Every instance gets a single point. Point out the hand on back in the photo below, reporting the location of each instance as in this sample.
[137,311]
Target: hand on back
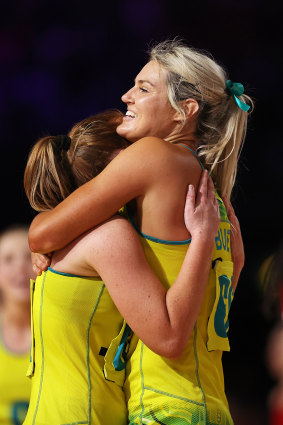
[201,209]
[40,262]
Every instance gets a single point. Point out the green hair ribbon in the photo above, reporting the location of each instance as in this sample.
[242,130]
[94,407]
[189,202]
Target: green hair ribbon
[237,89]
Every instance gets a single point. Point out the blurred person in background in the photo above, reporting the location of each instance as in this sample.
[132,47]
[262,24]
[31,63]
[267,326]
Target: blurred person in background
[271,277]
[275,366]
[15,339]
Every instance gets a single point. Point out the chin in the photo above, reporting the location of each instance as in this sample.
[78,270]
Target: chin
[121,130]
[126,133]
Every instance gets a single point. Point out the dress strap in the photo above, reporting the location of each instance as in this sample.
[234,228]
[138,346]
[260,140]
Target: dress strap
[194,153]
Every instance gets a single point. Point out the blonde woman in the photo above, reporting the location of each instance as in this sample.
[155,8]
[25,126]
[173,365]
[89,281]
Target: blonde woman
[15,274]
[181,102]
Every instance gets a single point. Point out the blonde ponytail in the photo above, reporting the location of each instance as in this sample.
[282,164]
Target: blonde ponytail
[221,124]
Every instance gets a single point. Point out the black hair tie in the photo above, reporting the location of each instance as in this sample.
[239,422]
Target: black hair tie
[62,142]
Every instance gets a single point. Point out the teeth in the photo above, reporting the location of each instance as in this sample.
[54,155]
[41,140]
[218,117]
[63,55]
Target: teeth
[130,114]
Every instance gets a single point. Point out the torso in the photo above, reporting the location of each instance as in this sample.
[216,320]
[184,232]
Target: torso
[190,388]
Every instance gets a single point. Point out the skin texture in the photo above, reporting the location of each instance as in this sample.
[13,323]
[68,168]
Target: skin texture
[113,251]
[15,273]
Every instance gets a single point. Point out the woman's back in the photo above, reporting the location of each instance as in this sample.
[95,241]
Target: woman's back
[74,322]
[161,209]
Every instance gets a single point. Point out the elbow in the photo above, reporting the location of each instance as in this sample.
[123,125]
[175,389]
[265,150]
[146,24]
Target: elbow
[39,240]
[175,351]
[172,348]
[173,354]
[33,241]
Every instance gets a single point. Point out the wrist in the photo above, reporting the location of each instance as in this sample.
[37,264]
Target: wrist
[204,240]
[203,235]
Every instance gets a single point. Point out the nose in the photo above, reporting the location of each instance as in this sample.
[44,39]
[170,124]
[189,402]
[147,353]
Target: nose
[128,97]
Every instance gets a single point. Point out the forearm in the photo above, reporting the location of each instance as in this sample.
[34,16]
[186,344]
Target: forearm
[79,212]
[162,319]
[125,178]
[184,298]
[173,313]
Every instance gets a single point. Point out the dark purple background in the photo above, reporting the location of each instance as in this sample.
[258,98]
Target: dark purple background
[61,61]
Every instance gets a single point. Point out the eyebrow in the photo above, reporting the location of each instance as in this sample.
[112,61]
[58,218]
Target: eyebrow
[144,81]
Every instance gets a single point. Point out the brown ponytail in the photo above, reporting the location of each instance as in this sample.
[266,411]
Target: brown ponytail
[52,173]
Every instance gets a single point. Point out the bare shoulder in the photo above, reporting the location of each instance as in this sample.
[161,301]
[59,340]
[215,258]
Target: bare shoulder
[148,146]
[115,233]
[160,148]
[151,160]
[151,153]
[105,246]
[152,144]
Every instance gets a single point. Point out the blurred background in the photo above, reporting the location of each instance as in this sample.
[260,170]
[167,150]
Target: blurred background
[61,61]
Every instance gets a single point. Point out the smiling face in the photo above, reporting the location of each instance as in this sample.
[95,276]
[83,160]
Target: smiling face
[149,112]
[15,266]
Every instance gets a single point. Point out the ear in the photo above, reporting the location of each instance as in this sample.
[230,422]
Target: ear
[190,107]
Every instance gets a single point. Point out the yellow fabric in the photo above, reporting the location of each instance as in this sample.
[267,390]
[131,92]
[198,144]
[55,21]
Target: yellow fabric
[74,322]
[14,386]
[190,389]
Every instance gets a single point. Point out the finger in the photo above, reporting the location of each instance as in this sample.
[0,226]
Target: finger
[43,261]
[36,270]
[189,205]
[202,190]
[44,265]
[190,199]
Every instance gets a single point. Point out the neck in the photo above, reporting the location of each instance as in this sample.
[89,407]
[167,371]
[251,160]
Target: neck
[185,136]
[182,139]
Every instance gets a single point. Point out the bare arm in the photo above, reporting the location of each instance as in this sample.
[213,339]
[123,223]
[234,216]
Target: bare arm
[163,320]
[237,246]
[128,176]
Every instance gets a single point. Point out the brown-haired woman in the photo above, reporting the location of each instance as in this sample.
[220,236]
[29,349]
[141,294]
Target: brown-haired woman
[80,338]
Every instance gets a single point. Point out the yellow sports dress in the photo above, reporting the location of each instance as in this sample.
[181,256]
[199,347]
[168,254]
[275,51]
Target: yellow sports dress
[190,389]
[76,365]
[14,386]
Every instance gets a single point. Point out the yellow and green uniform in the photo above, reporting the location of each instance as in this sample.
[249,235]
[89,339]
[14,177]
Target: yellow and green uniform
[189,389]
[76,378]
[14,386]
